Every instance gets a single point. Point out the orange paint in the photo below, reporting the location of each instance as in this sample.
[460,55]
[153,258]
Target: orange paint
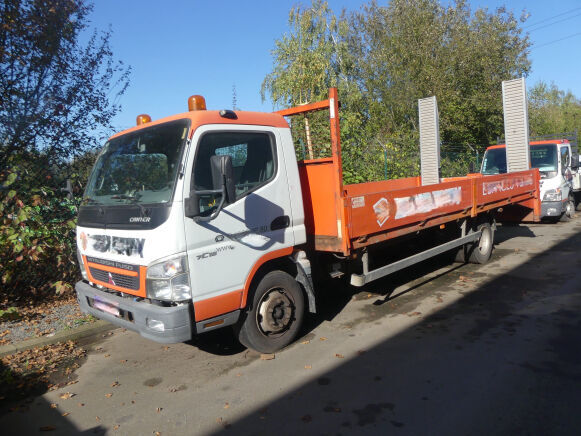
[112,269]
[217,306]
[141,292]
[222,304]
[268,256]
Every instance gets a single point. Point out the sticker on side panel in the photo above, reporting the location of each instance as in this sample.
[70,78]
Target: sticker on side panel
[382,211]
[427,201]
[357,202]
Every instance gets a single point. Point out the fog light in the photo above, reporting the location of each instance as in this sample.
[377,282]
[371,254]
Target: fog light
[551,211]
[156,325]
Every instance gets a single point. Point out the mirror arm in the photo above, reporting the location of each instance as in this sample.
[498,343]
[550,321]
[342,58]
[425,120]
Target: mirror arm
[213,215]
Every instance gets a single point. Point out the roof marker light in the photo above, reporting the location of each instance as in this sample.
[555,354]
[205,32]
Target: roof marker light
[143,119]
[196,103]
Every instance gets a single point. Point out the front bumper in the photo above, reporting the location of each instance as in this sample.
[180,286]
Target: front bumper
[137,315]
[552,208]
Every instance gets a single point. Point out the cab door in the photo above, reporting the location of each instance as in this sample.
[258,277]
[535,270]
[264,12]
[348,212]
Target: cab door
[223,251]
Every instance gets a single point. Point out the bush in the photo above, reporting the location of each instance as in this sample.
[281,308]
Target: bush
[37,233]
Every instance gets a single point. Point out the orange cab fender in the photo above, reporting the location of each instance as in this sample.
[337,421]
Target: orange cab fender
[303,273]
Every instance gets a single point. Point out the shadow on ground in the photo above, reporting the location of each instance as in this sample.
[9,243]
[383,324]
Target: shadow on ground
[504,359]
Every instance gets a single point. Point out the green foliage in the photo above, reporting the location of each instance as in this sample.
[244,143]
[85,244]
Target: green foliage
[37,229]
[9,314]
[57,98]
[552,110]
[383,59]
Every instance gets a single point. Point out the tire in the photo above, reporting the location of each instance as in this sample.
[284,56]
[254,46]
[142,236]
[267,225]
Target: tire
[276,315]
[481,251]
[569,211]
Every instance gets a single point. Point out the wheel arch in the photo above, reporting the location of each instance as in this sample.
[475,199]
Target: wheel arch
[295,264]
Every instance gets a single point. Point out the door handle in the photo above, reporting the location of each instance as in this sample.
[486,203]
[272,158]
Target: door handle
[280,222]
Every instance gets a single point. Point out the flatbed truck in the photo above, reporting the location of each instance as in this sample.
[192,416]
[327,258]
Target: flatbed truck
[206,219]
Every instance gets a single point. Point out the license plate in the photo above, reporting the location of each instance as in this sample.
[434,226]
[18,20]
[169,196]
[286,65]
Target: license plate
[110,308]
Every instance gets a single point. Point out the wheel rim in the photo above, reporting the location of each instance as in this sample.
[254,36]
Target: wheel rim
[275,312]
[485,241]
[569,208]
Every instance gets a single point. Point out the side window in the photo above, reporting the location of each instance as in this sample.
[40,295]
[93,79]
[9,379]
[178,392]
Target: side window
[252,158]
[565,157]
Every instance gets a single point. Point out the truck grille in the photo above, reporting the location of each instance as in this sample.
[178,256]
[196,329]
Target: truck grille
[118,279]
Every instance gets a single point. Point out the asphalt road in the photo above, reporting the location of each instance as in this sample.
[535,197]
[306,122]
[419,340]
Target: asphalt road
[439,348]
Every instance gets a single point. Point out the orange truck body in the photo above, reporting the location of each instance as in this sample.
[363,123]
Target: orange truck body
[342,218]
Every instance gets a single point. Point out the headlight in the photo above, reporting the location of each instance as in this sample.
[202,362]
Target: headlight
[169,280]
[81,265]
[553,195]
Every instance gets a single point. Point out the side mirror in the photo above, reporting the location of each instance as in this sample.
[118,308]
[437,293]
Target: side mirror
[223,176]
[223,183]
[574,161]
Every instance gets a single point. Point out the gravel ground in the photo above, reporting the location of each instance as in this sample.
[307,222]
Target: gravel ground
[43,320]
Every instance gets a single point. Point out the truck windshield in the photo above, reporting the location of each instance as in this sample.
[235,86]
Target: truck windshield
[494,161]
[138,167]
[543,157]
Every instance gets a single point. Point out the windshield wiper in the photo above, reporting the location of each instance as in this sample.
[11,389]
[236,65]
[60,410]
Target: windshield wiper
[132,198]
[89,200]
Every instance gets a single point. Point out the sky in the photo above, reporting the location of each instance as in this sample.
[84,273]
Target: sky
[178,48]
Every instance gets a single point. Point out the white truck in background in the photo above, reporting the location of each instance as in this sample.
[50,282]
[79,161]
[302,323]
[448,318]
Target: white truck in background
[560,182]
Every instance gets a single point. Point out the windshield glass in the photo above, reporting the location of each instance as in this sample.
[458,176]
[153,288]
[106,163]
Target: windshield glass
[138,167]
[494,161]
[544,157]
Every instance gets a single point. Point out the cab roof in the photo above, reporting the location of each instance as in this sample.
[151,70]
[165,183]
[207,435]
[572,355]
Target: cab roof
[544,141]
[203,117]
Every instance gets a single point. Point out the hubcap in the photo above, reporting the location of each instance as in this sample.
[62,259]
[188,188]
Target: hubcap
[275,312]
[485,240]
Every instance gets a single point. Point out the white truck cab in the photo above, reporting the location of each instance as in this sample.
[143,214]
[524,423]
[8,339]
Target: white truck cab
[165,249]
[553,158]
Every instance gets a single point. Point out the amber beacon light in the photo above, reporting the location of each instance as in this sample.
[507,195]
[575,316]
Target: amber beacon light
[196,103]
[143,119]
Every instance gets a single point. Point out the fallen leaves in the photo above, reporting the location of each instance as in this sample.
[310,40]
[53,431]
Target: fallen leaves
[31,369]
[66,396]
[308,366]
[339,356]
[48,428]
[109,395]
[114,384]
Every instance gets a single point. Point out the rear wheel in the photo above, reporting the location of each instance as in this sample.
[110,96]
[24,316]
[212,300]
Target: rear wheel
[276,315]
[481,250]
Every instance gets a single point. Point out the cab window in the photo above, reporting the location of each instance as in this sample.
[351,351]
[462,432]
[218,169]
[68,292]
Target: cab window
[565,157]
[253,161]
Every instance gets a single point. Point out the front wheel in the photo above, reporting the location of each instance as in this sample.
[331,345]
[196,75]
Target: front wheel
[569,211]
[276,315]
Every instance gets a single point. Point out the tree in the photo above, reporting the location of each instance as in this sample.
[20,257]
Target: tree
[414,49]
[56,94]
[552,110]
[383,59]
